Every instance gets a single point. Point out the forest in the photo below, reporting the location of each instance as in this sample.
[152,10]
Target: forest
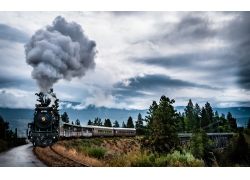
[160,127]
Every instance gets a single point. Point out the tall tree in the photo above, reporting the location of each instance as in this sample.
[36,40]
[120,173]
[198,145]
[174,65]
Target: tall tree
[123,125]
[97,122]
[65,117]
[55,109]
[107,123]
[162,135]
[197,114]
[90,122]
[116,124]
[232,122]
[4,126]
[204,119]
[209,112]
[77,122]
[200,146]
[189,111]
[248,124]
[180,123]
[130,123]
[139,125]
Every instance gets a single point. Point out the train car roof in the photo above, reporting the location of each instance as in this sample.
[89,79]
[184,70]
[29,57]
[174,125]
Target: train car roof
[71,124]
[116,128]
[124,128]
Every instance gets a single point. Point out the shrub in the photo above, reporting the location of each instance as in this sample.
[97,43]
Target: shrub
[183,160]
[96,152]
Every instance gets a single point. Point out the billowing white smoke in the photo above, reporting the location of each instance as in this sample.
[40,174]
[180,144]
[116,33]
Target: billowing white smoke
[60,51]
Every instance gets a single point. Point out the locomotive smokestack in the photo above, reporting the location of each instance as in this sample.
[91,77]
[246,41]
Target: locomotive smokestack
[60,51]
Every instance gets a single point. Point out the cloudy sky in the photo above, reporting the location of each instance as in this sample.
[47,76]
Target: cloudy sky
[128,58]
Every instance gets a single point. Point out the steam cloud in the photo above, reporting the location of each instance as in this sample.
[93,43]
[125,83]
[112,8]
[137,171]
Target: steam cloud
[60,51]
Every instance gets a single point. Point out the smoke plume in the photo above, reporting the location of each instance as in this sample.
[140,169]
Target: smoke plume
[60,51]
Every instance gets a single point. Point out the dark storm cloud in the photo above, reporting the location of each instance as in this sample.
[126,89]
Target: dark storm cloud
[198,28]
[153,82]
[238,31]
[12,34]
[16,82]
[61,51]
[193,27]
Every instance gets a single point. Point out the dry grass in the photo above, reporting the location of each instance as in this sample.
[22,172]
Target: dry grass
[114,149]
[73,154]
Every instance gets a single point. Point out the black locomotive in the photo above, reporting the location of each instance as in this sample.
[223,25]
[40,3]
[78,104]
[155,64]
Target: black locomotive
[44,129]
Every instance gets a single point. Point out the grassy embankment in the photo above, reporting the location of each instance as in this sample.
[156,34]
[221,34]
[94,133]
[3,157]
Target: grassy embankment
[121,152]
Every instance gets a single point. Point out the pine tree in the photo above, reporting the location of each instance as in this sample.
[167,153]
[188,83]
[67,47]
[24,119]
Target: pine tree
[189,111]
[197,113]
[107,123]
[116,124]
[139,125]
[77,122]
[65,117]
[123,125]
[162,135]
[90,122]
[130,123]
[209,112]
[232,122]
[4,126]
[97,122]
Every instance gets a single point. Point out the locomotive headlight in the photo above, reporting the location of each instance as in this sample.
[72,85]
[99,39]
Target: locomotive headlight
[43,119]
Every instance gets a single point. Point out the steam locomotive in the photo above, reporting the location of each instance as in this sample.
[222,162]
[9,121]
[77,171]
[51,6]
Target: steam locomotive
[44,129]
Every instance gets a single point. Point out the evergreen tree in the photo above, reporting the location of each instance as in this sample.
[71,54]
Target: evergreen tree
[139,125]
[197,113]
[204,119]
[209,113]
[116,124]
[97,122]
[189,111]
[224,124]
[232,122]
[90,122]
[180,126]
[149,118]
[162,135]
[130,123]
[4,126]
[77,122]
[55,109]
[107,123]
[248,124]
[123,125]
[65,117]
[72,122]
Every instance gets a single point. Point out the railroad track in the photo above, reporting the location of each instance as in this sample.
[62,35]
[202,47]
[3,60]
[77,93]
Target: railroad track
[54,159]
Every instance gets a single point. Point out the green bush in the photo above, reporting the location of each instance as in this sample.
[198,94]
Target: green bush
[177,159]
[96,152]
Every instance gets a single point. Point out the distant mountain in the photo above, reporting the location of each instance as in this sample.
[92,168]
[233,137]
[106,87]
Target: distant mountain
[19,118]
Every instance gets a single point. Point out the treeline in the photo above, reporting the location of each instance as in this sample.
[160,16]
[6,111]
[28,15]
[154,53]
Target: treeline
[193,116]
[205,118]
[5,133]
